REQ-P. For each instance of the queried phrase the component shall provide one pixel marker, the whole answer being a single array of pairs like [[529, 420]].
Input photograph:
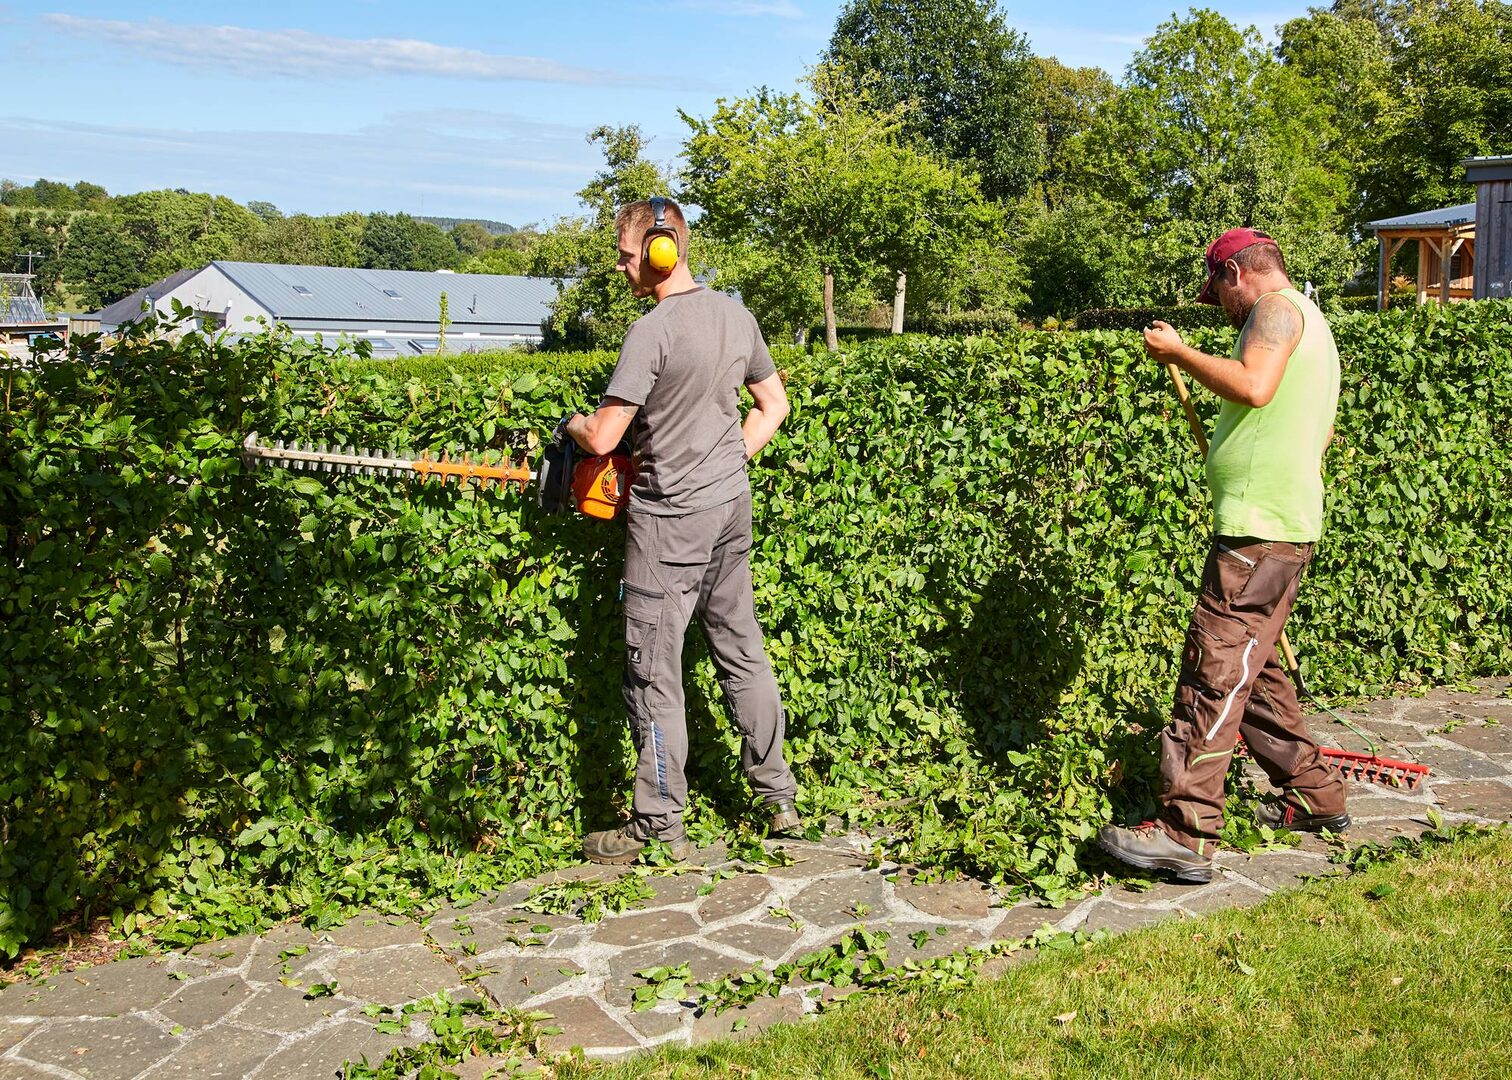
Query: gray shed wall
[[1493, 238]]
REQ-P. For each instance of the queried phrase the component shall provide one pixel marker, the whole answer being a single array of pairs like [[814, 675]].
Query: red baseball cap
[[1222, 250]]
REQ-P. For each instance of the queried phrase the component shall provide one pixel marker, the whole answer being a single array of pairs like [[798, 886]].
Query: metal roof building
[[1446, 250], [398, 312]]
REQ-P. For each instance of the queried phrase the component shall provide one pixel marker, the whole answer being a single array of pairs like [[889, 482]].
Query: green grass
[[1402, 970]]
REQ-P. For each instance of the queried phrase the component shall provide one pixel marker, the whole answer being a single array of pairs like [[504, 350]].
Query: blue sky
[[452, 108]]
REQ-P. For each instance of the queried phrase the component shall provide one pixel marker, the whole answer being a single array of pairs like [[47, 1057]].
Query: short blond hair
[[635, 218]]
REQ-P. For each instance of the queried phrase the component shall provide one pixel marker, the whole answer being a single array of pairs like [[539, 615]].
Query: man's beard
[[1236, 309]]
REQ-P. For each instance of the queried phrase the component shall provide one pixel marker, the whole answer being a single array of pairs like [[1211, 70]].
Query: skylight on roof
[[301, 290], [394, 293]]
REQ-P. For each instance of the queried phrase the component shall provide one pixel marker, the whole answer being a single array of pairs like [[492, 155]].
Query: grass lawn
[[1402, 970]]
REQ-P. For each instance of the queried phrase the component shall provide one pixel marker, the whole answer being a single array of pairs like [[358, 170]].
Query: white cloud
[[301, 54], [762, 9]]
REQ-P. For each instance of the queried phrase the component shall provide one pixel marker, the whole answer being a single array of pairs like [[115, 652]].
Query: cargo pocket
[[1229, 569], [643, 614], [1216, 664]]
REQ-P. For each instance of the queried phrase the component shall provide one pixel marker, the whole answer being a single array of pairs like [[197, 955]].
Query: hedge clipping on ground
[[226, 697]]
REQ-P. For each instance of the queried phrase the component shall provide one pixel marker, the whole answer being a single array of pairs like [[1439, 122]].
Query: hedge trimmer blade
[[366, 462]]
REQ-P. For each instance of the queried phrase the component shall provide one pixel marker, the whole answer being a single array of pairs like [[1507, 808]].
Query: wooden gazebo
[[1446, 252]]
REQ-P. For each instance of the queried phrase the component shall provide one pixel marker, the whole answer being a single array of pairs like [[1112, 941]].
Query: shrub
[[1181, 316], [228, 696], [966, 323]]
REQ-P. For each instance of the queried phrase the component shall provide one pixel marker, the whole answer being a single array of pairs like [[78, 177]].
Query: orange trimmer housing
[[601, 485]]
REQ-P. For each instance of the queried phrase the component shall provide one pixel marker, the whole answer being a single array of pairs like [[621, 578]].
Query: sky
[[452, 108]]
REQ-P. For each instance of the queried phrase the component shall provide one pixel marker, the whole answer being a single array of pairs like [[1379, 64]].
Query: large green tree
[[1210, 130], [401, 242], [101, 261], [828, 189], [179, 229], [1450, 97], [969, 77], [1066, 102]]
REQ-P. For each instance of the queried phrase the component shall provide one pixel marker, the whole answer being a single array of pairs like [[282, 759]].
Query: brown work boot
[[785, 819], [614, 847], [1281, 814], [1149, 847]]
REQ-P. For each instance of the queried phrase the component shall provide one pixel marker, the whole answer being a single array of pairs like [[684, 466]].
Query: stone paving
[[237, 1007]]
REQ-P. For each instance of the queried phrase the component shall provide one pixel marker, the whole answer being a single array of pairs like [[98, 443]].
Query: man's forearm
[[1226, 377], [759, 427]]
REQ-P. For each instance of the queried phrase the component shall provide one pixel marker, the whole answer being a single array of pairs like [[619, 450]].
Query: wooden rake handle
[[1195, 424]]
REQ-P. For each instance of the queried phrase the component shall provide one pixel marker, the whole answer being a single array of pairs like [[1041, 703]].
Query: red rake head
[[1376, 770], [1367, 767]]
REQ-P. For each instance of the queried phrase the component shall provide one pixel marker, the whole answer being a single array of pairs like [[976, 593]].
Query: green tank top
[[1264, 466]]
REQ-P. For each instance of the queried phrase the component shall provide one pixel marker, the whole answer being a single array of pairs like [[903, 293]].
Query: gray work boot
[[616, 846], [1280, 814], [785, 819], [1150, 848]]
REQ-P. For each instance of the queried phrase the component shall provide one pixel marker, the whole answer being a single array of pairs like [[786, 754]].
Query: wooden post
[[1446, 261], [831, 336], [1384, 282], [1424, 244], [898, 297]]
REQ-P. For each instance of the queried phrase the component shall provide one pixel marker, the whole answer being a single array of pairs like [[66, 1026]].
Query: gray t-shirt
[[684, 365]]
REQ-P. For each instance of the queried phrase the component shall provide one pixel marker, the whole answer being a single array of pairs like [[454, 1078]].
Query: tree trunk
[[831, 339], [897, 326]]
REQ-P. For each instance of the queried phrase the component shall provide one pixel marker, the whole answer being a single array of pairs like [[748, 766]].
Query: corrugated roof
[[338, 294], [128, 308], [1446, 218]]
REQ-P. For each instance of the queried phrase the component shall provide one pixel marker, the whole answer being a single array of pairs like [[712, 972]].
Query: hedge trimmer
[[1371, 767], [599, 486]]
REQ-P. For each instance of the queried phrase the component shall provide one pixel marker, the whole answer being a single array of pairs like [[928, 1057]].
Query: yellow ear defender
[[660, 251]]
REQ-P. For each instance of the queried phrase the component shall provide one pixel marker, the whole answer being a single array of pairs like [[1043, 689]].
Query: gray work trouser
[[675, 568]]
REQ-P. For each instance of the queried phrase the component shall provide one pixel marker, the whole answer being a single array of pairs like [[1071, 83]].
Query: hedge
[[228, 696], [1181, 316], [963, 323]]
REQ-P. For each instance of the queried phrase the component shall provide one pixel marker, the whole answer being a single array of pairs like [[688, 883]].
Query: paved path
[[237, 1007]]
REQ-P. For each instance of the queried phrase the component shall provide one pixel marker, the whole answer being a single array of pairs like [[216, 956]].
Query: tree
[[1450, 97], [179, 229], [471, 238], [40, 232], [266, 212], [970, 79], [1211, 131], [594, 306], [1067, 100], [400, 242], [828, 188], [101, 261], [513, 253], [1079, 257]]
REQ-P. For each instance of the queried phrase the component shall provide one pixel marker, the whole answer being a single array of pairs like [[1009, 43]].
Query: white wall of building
[[212, 293]]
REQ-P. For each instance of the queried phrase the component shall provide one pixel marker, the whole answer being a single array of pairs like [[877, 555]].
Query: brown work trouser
[[677, 568], [1231, 684]]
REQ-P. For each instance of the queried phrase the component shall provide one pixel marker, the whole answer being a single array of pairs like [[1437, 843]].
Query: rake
[[1370, 767]]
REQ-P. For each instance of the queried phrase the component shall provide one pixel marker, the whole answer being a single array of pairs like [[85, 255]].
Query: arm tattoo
[[1276, 325]]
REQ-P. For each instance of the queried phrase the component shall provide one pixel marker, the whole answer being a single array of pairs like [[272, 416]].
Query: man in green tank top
[[1280, 389]]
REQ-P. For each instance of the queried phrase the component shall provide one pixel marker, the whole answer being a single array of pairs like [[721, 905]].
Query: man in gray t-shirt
[[677, 390]]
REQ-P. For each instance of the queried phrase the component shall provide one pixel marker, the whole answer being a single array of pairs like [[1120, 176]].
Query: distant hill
[[497, 228]]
